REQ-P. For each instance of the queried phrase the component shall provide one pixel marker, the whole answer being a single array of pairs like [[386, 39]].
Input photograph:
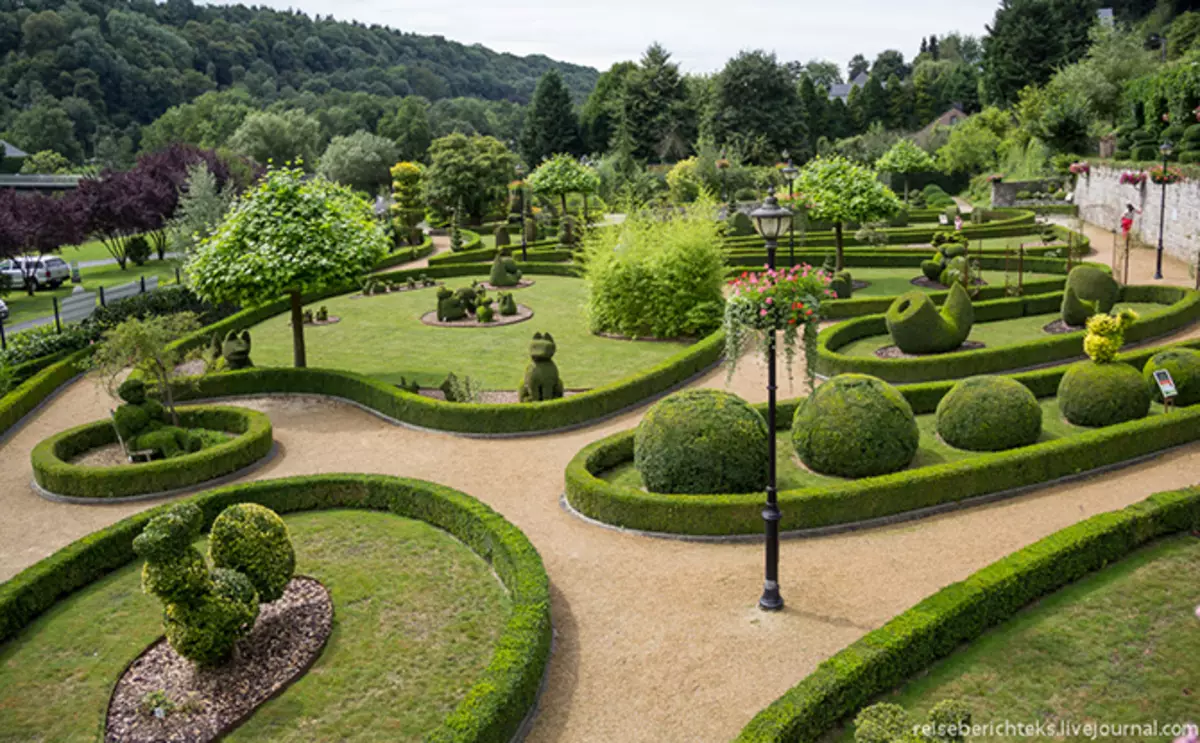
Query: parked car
[[41, 271], [3, 310]]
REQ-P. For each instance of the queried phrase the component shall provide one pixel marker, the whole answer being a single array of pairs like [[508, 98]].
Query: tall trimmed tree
[[905, 158], [841, 191], [286, 237], [562, 175], [551, 125]]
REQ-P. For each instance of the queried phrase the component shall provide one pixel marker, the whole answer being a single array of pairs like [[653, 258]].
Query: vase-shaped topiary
[[1089, 290], [542, 381], [917, 326], [1184, 367], [855, 425], [989, 414], [702, 441]]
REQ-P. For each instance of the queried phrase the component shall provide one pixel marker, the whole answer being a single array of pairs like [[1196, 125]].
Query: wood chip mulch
[[523, 314], [892, 352], [925, 283], [1058, 327], [286, 640]]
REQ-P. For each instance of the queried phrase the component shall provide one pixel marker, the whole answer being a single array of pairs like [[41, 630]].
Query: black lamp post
[[585, 162], [1165, 149], [770, 220], [722, 165], [524, 237], [789, 172]]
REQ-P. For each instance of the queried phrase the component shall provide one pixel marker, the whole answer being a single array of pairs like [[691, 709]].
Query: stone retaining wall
[[1101, 199]]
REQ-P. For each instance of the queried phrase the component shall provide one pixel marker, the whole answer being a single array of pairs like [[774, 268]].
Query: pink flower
[[770, 300], [1191, 736], [762, 313], [1198, 612]]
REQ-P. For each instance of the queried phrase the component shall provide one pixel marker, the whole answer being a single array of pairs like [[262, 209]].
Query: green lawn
[[997, 244], [89, 251], [998, 333], [416, 616], [933, 450], [23, 307], [1120, 646], [383, 337], [888, 282]]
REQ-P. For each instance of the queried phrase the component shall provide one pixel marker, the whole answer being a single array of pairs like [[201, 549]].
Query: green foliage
[[702, 441], [360, 160], [253, 540], [739, 224], [473, 171], [1102, 394], [1184, 367], [145, 345], [500, 236], [202, 206], [932, 269], [408, 204], [1089, 290], [542, 381], [905, 157], [855, 426], [918, 326], [755, 108], [278, 138], [989, 414], [504, 271], [1029, 40], [684, 181], [235, 349], [657, 277], [138, 250], [450, 307], [842, 285], [974, 144], [561, 175], [840, 191], [550, 124], [484, 312], [883, 723], [1106, 335], [508, 305], [46, 162]]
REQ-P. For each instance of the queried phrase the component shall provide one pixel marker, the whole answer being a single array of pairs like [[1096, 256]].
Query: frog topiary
[[504, 271], [508, 305], [236, 350], [542, 381], [449, 306]]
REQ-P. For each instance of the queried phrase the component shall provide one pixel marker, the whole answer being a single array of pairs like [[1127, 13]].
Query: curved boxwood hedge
[[494, 707], [908, 644], [29, 394], [854, 501], [54, 473], [1183, 309], [405, 254], [546, 251]]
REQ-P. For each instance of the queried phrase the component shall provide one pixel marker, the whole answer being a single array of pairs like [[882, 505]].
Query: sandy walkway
[[1141, 260], [657, 640], [441, 244]]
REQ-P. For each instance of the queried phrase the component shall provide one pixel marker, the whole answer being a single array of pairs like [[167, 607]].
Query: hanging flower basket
[[787, 301], [1081, 168], [1165, 177], [722, 163], [1135, 178]]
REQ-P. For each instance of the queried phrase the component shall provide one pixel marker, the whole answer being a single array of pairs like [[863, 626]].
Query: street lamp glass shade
[[1166, 148], [520, 170], [790, 171], [771, 219]]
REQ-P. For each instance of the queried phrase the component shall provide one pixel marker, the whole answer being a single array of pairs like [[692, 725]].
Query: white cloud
[[700, 34]]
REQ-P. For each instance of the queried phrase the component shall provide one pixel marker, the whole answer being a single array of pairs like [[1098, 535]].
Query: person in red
[[1127, 220]]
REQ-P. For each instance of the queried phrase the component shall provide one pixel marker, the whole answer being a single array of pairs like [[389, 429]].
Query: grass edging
[[57, 476], [493, 709], [961, 612]]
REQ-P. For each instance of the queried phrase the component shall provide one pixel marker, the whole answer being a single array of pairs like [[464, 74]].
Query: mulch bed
[[492, 397], [925, 283], [398, 290], [857, 284], [523, 314], [892, 352], [1058, 327], [286, 640], [522, 284]]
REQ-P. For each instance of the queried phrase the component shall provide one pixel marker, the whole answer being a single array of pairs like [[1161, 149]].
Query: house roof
[[9, 150], [842, 90]]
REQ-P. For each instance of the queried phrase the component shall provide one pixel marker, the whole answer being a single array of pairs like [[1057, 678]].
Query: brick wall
[[1101, 199]]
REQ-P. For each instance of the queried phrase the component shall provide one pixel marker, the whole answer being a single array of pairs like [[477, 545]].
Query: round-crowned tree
[[702, 441], [1092, 394], [287, 236], [989, 414], [1184, 366], [855, 425], [254, 541], [841, 191]]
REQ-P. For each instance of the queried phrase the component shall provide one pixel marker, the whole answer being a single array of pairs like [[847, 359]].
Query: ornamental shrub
[[702, 441], [739, 225], [1097, 394], [989, 414], [501, 236], [1184, 366], [504, 271], [253, 540], [1106, 335], [138, 250], [508, 305], [855, 425], [842, 285], [1089, 290], [883, 723], [932, 269], [917, 325]]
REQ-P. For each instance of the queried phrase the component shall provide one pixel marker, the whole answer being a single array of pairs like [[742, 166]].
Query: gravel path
[[657, 640]]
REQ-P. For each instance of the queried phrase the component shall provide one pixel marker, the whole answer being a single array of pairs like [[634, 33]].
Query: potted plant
[[1165, 176]]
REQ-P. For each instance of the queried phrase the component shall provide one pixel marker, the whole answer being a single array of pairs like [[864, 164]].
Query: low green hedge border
[[961, 612], [1183, 309], [853, 501], [404, 254], [1015, 222], [485, 255], [54, 473], [494, 707], [29, 394]]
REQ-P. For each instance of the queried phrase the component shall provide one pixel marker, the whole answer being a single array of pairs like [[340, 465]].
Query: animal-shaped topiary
[[142, 424], [204, 612], [739, 225], [542, 381], [842, 285], [449, 306], [236, 350], [468, 295], [484, 312], [501, 235], [504, 271], [508, 305], [918, 326], [932, 268], [953, 270], [214, 346], [254, 541], [1090, 290]]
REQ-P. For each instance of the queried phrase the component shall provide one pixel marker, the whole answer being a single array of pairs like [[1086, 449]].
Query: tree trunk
[[564, 200], [164, 383], [841, 255], [906, 188], [298, 330]]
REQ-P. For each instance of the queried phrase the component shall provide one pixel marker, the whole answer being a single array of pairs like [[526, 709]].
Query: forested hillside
[[83, 76]]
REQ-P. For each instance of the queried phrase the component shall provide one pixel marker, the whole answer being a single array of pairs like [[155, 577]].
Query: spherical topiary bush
[[1092, 394], [702, 441], [855, 425], [253, 540], [989, 414], [1184, 365]]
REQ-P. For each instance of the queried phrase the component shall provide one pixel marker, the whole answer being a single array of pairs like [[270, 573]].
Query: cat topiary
[[236, 350], [542, 381], [449, 306], [508, 305], [504, 271], [484, 312]]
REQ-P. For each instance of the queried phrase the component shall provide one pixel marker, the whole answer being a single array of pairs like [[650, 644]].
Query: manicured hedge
[[29, 394], [541, 249], [492, 710], [837, 309], [510, 418], [53, 471], [1015, 222], [961, 612], [405, 254], [869, 498], [1183, 309]]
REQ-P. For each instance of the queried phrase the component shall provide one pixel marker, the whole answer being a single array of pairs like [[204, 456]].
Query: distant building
[[842, 90], [951, 117], [1106, 16], [11, 157]]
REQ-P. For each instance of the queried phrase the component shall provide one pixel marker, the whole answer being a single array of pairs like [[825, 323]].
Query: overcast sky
[[700, 34]]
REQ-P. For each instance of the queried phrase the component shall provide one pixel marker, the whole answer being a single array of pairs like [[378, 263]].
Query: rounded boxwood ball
[[989, 414], [1184, 365], [855, 425], [1092, 394], [253, 540], [702, 441]]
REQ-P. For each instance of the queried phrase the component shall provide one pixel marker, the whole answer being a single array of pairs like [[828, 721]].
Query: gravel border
[[523, 313]]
